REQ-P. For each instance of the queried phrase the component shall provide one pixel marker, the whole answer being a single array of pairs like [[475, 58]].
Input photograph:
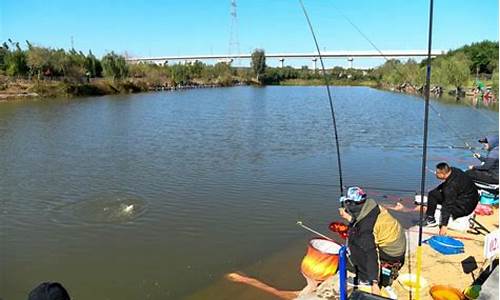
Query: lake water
[[158, 195]]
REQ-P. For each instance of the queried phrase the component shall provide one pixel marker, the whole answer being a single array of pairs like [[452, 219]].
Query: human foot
[[235, 277]]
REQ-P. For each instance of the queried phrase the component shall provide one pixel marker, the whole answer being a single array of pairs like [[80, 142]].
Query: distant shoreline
[[30, 89], [22, 89]]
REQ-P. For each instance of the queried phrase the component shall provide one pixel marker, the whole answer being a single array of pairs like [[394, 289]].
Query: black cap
[[49, 291], [483, 140]]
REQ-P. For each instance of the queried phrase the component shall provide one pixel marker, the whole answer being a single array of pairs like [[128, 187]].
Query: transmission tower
[[234, 44]]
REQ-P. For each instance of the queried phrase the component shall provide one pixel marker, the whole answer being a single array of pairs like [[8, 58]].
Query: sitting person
[[457, 195], [487, 171], [376, 239]]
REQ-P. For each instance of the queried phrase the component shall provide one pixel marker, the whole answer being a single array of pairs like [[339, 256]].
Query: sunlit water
[[158, 195]]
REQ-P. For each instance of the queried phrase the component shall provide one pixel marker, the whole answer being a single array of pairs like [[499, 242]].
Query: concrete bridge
[[349, 55]]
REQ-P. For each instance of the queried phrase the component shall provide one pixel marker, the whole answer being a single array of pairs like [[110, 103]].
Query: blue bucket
[[488, 199], [446, 245]]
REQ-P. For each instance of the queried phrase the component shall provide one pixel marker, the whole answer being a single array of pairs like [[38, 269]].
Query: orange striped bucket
[[321, 260]]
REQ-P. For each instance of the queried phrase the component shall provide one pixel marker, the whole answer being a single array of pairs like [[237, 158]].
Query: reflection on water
[[157, 195]]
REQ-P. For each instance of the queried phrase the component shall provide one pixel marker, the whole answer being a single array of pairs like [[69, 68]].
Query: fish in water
[[128, 208]]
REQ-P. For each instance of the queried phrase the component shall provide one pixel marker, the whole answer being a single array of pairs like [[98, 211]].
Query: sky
[[168, 27]]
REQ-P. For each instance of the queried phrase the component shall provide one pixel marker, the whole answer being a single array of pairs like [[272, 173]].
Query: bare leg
[[288, 295]]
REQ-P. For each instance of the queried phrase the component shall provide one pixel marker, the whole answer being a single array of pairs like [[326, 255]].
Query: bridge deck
[[312, 55]]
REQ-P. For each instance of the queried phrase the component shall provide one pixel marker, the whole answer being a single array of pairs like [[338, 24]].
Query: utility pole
[[234, 44]]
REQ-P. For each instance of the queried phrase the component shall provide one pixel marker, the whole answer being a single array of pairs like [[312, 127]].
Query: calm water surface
[[158, 195]]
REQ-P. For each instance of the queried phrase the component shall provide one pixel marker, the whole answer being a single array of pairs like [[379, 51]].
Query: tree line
[[37, 63], [456, 69]]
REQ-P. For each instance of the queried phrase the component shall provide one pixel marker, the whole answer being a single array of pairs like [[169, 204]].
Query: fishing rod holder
[[343, 272]]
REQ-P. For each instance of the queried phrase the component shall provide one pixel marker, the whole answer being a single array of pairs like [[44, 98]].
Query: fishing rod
[[313, 231], [329, 97], [424, 144], [425, 135]]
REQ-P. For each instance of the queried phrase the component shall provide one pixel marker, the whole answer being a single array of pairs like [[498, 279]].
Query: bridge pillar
[[314, 60], [350, 59], [282, 62]]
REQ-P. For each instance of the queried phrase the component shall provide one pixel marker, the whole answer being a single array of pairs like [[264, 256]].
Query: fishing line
[[333, 185], [362, 34], [329, 96], [420, 146], [468, 147], [457, 135], [493, 121]]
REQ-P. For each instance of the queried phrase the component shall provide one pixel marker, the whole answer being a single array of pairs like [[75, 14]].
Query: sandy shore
[[445, 269]]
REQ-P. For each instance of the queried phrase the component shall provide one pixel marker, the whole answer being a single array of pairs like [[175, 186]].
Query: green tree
[[38, 59], [391, 73], [258, 62], [179, 74], [483, 56], [438, 74], [223, 74], [58, 62], [93, 65], [15, 60], [457, 70], [413, 73], [495, 82], [114, 66], [196, 69], [76, 61], [4, 51], [138, 70]]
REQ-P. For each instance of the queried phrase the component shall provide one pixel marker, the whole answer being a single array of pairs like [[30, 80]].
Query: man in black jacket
[[457, 195]]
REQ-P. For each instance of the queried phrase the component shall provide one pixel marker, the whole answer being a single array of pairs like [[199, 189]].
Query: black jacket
[[460, 196], [362, 247]]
